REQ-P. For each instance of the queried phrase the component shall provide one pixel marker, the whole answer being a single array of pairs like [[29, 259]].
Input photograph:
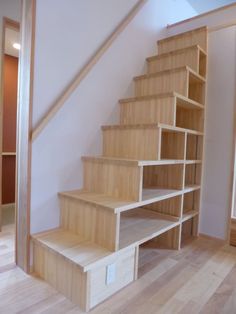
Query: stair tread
[[185, 101], [73, 247], [133, 162], [186, 68], [117, 205], [189, 214], [150, 126], [174, 52]]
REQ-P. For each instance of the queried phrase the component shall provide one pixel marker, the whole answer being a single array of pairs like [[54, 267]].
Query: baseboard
[[206, 236]]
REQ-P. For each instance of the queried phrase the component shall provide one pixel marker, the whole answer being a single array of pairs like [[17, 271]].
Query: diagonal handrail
[[61, 99]]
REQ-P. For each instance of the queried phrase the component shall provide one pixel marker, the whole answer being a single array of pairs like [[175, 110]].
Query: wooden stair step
[[165, 127], [184, 40], [184, 102], [78, 250], [171, 109], [189, 215], [182, 80], [96, 217], [194, 57], [115, 205], [197, 76], [146, 142], [126, 179], [109, 176], [77, 268], [174, 52], [162, 143]]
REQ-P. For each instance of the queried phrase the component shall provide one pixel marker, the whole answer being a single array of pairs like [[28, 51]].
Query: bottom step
[[85, 273]]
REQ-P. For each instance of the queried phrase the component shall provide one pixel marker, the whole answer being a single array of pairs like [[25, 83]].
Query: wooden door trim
[[24, 120], [6, 23]]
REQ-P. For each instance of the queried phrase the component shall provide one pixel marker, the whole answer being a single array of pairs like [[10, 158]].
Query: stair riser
[[197, 37], [62, 274], [141, 144], [165, 83], [94, 223], [118, 180], [86, 289], [148, 111], [189, 58]]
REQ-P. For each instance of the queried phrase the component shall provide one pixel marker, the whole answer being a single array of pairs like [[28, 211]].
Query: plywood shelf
[[141, 225], [189, 162], [172, 128], [188, 104], [189, 214], [132, 162], [155, 194], [191, 187]]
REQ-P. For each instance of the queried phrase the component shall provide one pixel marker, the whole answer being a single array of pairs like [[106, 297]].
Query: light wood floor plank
[[200, 278]]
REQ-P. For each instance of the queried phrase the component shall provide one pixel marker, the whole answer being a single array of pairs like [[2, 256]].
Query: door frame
[[24, 130], [6, 23]]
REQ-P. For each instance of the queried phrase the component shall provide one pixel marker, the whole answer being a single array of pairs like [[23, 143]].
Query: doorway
[[9, 84]]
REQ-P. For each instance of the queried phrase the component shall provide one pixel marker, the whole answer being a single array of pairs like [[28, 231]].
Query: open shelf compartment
[[168, 177], [196, 88], [170, 207], [193, 174], [194, 147], [191, 205], [189, 229], [189, 117], [202, 63], [172, 144], [140, 225], [168, 240]]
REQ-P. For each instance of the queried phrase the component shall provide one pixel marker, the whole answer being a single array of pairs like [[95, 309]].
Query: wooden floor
[[201, 278], [7, 247]]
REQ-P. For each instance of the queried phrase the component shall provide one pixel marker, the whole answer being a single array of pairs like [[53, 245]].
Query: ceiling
[[202, 6], [11, 36]]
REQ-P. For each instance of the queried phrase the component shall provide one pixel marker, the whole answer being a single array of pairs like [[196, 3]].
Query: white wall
[[218, 165], [10, 9], [66, 36]]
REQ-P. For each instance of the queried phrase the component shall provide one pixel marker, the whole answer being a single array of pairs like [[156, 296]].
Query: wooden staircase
[[146, 185]]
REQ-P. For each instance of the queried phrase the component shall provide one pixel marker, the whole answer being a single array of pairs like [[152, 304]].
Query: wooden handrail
[[58, 103]]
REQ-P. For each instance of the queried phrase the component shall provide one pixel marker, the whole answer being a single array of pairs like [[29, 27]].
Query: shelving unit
[[146, 186]]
